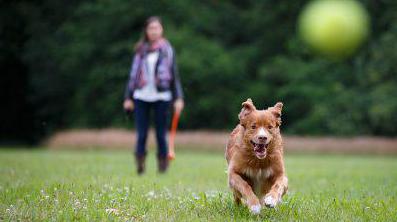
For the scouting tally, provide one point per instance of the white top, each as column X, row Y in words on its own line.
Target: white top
column 149, row 93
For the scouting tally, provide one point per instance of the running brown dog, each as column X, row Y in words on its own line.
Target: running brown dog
column 254, row 154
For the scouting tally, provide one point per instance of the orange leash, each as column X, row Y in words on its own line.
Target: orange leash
column 174, row 126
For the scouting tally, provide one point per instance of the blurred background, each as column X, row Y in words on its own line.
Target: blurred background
column 64, row 66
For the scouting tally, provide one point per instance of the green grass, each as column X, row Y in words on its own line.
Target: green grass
column 71, row 185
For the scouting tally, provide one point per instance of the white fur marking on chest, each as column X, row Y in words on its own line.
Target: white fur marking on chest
column 258, row 173
column 258, row 176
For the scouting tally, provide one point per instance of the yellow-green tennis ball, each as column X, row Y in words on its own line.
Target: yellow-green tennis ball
column 334, row 28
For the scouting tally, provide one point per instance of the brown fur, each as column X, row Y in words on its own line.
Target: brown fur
column 257, row 181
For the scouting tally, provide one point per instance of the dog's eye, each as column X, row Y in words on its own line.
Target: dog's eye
column 270, row 127
column 253, row 126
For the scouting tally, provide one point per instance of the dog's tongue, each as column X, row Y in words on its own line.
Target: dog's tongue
column 259, row 147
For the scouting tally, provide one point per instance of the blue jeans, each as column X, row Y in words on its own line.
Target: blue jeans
column 142, row 120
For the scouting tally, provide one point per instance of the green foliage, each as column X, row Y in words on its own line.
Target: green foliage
column 79, row 54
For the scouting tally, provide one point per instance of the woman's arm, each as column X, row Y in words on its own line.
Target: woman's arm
column 177, row 92
column 129, row 89
column 128, row 105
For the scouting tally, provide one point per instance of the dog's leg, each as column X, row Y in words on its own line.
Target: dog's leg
column 239, row 184
column 277, row 190
column 237, row 197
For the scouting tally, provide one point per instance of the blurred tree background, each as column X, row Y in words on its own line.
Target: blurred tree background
column 64, row 65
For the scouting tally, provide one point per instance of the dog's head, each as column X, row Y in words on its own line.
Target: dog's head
column 260, row 126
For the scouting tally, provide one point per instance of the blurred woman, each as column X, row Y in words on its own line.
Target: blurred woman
column 153, row 84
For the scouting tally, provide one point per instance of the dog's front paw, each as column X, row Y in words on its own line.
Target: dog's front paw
column 270, row 201
column 255, row 209
column 254, row 206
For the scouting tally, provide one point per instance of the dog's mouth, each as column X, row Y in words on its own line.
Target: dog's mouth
column 260, row 149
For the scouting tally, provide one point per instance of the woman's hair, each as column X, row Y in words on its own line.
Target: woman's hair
column 144, row 38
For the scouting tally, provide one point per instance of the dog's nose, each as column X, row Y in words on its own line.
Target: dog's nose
column 262, row 138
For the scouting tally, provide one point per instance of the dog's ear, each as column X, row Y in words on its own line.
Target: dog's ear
column 247, row 109
column 276, row 111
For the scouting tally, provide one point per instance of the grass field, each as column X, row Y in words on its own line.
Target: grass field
column 102, row 185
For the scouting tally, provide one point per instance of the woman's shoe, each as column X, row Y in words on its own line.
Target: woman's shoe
column 140, row 162
column 163, row 164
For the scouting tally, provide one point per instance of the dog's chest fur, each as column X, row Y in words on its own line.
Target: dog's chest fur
column 258, row 178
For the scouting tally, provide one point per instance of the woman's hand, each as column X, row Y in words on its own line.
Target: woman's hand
column 178, row 105
column 128, row 105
